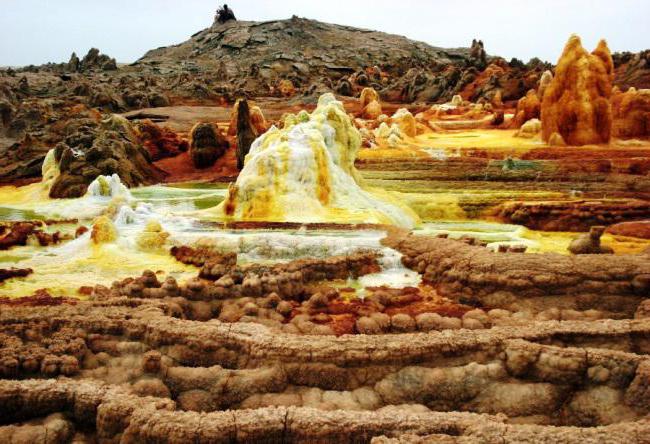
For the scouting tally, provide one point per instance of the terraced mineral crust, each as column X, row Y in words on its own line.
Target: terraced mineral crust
column 223, row 359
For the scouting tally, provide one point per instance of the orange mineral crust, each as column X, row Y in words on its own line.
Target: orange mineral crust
column 576, row 103
column 528, row 107
column 631, row 111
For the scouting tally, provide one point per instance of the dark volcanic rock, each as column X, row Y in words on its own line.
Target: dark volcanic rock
column 95, row 60
column 632, row 70
column 246, row 135
column 207, row 144
column 262, row 53
column 73, row 64
column 477, row 54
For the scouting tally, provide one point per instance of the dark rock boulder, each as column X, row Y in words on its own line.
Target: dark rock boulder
column 157, row 100
column 589, row 243
column 6, row 113
column 207, row 145
column 106, row 98
column 160, row 141
column 246, row 134
column 73, row 64
column 224, row 14
column 477, row 54
column 96, row 61
column 344, row 88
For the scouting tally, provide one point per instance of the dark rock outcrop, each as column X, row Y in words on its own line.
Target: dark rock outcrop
column 477, row 54
column 224, row 14
column 632, row 70
column 280, row 50
column 95, row 60
column 73, row 63
column 207, row 144
column 106, row 148
column 245, row 133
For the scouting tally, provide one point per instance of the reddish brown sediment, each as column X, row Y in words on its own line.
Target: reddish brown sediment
column 8, row 273
column 576, row 215
column 640, row 229
column 160, row 141
column 14, row 233
column 181, row 169
column 39, row 298
column 46, row 221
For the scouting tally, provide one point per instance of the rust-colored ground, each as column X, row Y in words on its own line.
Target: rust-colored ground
column 181, row 169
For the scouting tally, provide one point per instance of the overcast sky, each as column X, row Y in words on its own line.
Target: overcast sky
column 40, row 31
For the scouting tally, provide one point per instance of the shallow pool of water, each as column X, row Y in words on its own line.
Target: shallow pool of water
column 63, row 269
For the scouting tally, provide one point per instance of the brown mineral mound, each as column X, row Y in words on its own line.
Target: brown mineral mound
column 207, row 145
column 631, row 111
column 528, row 108
column 576, row 103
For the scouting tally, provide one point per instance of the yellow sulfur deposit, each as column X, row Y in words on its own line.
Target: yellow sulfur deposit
column 305, row 172
column 103, row 230
column 153, row 237
column 82, row 263
column 406, row 122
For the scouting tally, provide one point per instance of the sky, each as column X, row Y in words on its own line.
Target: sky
column 41, row 31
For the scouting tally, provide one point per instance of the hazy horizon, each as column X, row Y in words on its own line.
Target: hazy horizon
column 41, row 31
